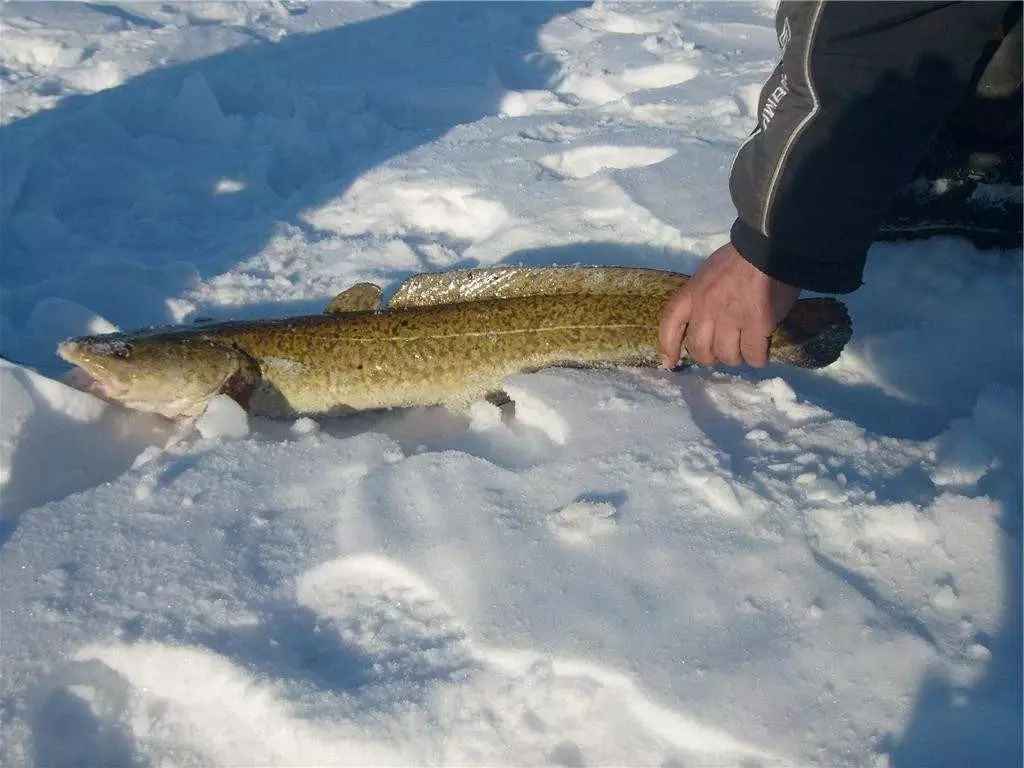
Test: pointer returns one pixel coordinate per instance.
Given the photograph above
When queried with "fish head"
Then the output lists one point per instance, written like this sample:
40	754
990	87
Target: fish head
172	374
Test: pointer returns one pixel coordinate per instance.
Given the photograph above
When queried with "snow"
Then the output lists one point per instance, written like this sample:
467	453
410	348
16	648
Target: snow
753	568
223	418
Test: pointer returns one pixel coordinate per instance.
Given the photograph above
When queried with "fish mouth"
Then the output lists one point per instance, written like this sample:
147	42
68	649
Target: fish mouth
100	370
88	375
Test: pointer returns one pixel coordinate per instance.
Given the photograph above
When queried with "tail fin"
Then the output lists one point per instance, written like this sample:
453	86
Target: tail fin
812	335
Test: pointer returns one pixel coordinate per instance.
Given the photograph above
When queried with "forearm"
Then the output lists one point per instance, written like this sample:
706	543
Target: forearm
860	92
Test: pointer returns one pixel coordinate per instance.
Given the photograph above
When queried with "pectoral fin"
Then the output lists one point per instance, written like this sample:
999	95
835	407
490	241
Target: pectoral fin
242	383
361	297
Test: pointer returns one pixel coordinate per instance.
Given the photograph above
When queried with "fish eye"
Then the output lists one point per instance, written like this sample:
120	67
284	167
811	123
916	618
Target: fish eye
123	351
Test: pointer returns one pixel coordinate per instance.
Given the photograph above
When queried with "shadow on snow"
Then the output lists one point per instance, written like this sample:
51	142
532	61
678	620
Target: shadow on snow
116	199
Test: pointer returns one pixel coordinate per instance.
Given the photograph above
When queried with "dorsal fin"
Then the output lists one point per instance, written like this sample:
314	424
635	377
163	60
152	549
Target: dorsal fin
361	297
510	282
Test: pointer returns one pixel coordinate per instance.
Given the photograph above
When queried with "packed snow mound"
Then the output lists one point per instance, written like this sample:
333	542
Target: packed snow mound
55	440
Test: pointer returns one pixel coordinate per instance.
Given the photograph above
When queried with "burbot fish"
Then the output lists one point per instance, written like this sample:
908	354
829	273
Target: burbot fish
444	338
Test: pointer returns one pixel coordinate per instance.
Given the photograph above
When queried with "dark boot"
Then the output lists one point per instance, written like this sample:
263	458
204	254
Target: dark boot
971	183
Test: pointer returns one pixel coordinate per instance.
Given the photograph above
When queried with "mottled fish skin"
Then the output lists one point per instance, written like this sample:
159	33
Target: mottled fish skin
451	354
451	340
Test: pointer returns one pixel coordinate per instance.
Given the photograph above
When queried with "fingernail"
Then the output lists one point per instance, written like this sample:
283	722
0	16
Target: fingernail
665	363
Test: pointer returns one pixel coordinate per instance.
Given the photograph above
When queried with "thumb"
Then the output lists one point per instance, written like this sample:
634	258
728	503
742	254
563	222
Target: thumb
672	327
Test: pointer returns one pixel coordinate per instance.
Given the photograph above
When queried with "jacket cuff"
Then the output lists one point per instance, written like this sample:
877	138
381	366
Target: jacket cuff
794	269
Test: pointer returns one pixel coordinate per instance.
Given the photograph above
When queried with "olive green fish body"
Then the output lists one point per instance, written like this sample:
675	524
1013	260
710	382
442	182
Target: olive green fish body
446	338
451	354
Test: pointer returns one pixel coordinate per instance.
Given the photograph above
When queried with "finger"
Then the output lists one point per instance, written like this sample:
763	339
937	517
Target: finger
726	346
672	326
754	348
698	340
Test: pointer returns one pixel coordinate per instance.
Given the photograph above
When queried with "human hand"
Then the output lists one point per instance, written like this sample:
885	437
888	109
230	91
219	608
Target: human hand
726	312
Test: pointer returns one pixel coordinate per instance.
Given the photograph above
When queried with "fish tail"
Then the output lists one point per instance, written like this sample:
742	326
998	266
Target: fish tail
812	335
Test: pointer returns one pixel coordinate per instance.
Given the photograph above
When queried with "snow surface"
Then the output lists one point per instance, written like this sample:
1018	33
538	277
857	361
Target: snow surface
709	568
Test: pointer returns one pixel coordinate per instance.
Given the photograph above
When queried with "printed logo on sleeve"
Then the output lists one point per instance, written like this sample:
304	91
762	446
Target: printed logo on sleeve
771	104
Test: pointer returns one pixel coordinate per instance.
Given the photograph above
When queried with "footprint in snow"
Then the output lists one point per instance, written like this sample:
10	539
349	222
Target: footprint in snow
583	522
583	162
388	615
433	695
607	89
662	75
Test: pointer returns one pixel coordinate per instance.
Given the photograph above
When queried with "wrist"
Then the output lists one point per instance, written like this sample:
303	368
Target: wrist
792	269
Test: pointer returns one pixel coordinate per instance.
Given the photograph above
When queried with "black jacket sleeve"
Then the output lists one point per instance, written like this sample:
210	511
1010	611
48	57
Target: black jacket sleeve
858	96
